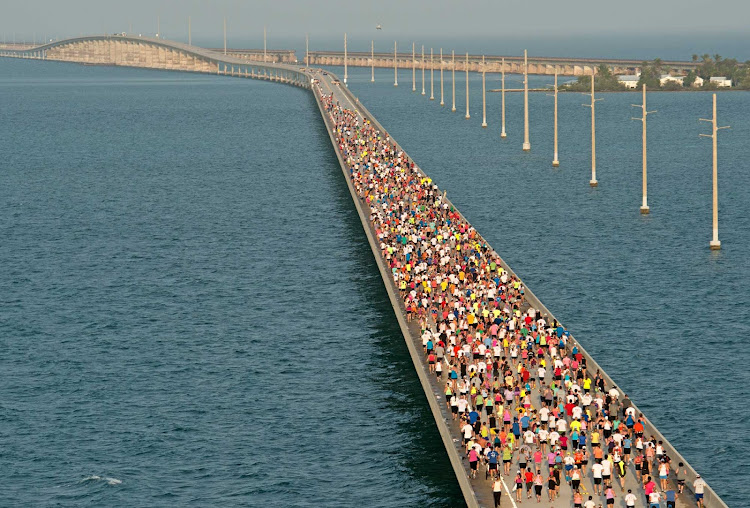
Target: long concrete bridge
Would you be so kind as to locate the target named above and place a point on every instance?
(493, 63)
(151, 53)
(167, 55)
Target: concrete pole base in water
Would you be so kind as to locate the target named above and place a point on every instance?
(715, 244)
(467, 116)
(593, 183)
(526, 147)
(645, 210)
(484, 125)
(453, 109)
(555, 163)
(503, 135)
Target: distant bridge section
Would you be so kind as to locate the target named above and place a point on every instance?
(151, 53)
(258, 55)
(493, 63)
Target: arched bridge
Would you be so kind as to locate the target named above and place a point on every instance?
(150, 53)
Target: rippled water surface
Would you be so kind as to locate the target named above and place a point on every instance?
(667, 318)
(189, 310)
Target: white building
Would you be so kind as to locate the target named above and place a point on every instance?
(721, 81)
(628, 80)
(668, 78)
(698, 82)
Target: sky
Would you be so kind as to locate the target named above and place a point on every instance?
(556, 28)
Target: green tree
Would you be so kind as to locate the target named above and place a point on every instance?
(690, 78)
(650, 74)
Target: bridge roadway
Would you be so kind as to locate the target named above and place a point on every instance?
(476, 492)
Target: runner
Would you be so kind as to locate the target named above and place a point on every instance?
(698, 487)
(630, 499)
(516, 379)
(497, 491)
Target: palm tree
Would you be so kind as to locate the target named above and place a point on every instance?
(695, 57)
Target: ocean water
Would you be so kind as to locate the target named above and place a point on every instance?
(666, 317)
(190, 314)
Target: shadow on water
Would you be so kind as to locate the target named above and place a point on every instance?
(419, 452)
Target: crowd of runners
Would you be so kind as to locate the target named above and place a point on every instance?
(532, 416)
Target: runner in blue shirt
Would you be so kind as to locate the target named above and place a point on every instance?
(492, 458)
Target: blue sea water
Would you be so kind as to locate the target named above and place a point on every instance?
(190, 314)
(666, 317)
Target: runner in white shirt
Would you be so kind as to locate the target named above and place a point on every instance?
(528, 437)
(596, 471)
(630, 499)
(699, 487)
(543, 435)
(468, 430)
(553, 437)
(606, 471)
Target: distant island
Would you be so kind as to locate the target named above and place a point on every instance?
(711, 73)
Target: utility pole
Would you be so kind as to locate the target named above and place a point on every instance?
(715, 244)
(644, 204)
(395, 63)
(225, 38)
(502, 94)
(307, 50)
(484, 97)
(453, 81)
(372, 61)
(413, 69)
(555, 160)
(441, 77)
(158, 26)
(467, 86)
(432, 76)
(190, 32)
(264, 43)
(526, 143)
(423, 69)
(593, 181)
(346, 75)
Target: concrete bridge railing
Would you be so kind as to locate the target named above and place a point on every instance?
(150, 53)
